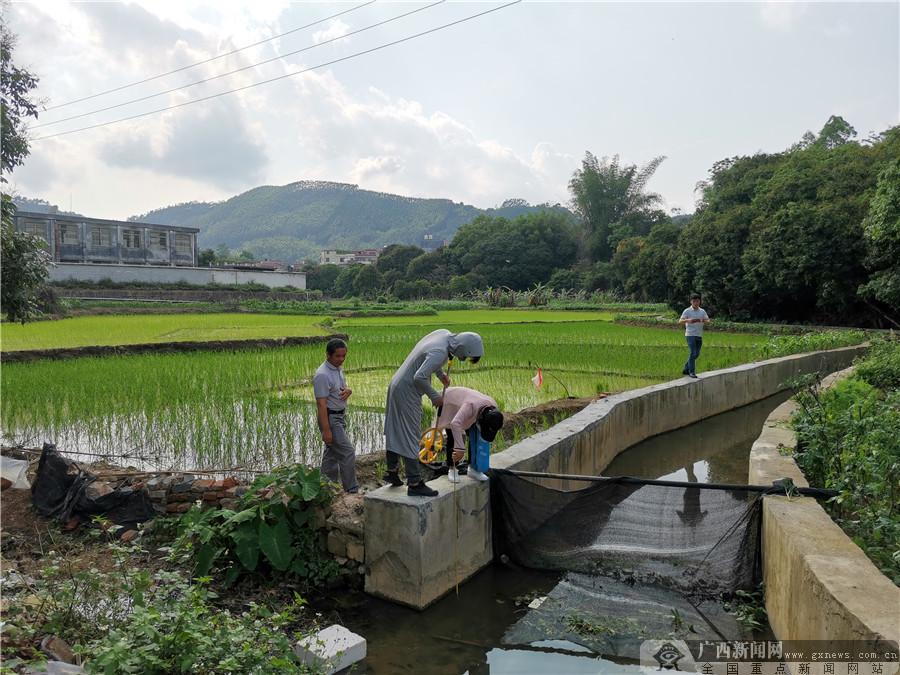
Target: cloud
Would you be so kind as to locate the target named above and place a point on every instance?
(371, 167)
(396, 145)
(38, 172)
(305, 127)
(780, 15)
(126, 28)
(336, 29)
(211, 145)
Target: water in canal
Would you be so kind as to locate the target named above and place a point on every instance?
(577, 624)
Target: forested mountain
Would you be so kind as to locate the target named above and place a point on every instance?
(295, 221)
(40, 206)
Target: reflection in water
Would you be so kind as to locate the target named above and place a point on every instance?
(691, 513)
(716, 450)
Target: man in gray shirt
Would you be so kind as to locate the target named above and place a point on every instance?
(693, 318)
(331, 392)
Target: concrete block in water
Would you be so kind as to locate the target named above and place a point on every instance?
(334, 647)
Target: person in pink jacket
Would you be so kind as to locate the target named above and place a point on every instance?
(462, 409)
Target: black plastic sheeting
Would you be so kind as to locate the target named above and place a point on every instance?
(696, 541)
(61, 490)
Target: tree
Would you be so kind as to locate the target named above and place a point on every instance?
(804, 256)
(435, 267)
(206, 258)
(16, 105)
(393, 262)
(566, 279)
(881, 231)
(396, 258)
(605, 194)
(836, 131)
(24, 256)
(365, 283)
(648, 279)
(517, 253)
(626, 252)
(343, 284)
(322, 277)
(24, 262)
(784, 236)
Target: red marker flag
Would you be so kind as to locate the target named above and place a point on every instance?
(538, 379)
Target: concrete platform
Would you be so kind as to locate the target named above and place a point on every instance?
(417, 549)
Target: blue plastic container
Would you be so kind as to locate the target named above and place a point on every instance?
(479, 450)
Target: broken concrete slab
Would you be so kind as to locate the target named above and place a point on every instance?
(333, 649)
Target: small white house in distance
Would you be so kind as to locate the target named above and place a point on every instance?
(93, 249)
(367, 256)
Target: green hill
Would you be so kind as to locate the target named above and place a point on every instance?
(295, 221)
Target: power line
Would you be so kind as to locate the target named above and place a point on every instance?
(213, 58)
(238, 70)
(282, 77)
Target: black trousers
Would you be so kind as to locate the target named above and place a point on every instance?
(448, 446)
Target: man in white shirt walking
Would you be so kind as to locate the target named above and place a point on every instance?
(693, 318)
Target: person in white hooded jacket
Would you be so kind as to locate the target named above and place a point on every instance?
(403, 412)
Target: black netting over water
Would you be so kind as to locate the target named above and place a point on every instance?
(612, 617)
(696, 540)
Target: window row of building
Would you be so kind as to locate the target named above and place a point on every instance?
(80, 239)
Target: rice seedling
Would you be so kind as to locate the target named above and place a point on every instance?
(120, 330)
(256, 409)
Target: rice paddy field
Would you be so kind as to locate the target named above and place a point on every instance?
(255, 409)
(139, 329)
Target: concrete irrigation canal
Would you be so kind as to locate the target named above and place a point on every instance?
(476, 605)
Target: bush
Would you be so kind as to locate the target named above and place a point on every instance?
(272, 530)
(881, 366)
(129, 621)
(847, 441)
(176, 630)
(566, 279)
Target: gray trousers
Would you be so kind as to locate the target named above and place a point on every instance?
(413, 472)
(339, 458)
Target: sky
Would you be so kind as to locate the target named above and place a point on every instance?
(501, 106)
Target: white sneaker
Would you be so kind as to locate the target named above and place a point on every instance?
(477, 475)
(453, 475)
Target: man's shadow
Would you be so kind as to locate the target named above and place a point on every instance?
(691, 515)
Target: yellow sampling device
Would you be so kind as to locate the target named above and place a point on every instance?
(432, 440)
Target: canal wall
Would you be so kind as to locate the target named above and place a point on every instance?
(418, 549)
(819, 584)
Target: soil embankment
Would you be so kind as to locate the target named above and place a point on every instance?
(165, 348)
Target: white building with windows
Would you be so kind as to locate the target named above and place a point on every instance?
(92, 249)
(77, 239)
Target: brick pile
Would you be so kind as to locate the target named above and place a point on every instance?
(176, 493)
